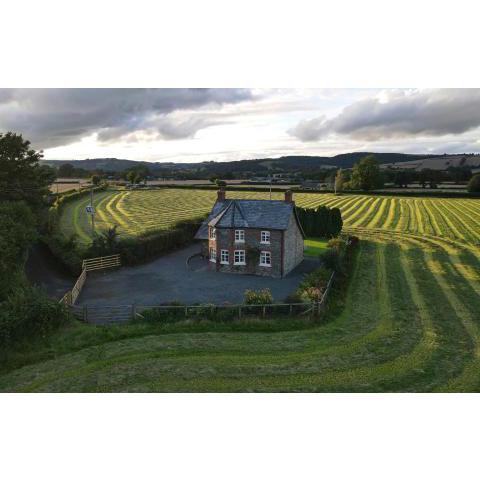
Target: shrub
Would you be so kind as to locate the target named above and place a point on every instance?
(337, 243)
(312, 287)
(28, 313)
(331, 259)
(67, 250)
(353, 241)
(318, 279)
(311, 294)
(17, 233)
(258, 297)
(294, 297)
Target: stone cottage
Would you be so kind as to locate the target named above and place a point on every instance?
(260, 237)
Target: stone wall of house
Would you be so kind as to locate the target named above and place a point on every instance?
(293, 246)
(226, 241)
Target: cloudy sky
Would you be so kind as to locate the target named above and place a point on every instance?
(189, 125)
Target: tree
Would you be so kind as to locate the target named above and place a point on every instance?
(96, 179)
(430, 176)
(18, 232)
(132, 176)
(320, 222)
(340, 179)
(402, 178)
(474, 184)
(66, 170)
(21, 175)
(366, 174)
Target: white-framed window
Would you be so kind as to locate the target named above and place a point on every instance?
(213, 233)
(265, 236)
(239, 236)
(239, 257)
(213, 255)
(265, 259)
(224, 257)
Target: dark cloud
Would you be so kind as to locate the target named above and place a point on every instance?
(54, 117)
(400, 114)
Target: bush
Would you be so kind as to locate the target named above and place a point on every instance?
(17, 233)
(311, 294)
(338, 243)
(312, 287)
(318, 279)
(67, 250)
(258, 297)
(294, 297)
(331, 259)
(28, 313)
(353, 241)
(474, 184)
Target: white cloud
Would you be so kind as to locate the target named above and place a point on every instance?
(398, 114)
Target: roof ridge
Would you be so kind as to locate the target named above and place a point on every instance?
(216, 219)
(242, 214)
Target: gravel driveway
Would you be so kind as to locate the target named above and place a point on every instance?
(169, 278)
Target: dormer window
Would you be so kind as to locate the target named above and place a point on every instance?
(213, 233)
(265, 237)
(239, 236)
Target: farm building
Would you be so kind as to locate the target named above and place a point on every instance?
(260, 237)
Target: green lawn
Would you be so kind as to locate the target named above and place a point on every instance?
(315, 246)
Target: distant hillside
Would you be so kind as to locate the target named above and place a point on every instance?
(106, 164)
(288, 163)
(437, 163)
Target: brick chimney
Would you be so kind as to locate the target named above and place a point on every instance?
(289, 196)
(221, 195)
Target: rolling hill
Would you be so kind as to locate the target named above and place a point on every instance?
(288, 163)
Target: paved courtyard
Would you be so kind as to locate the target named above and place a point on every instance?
(169, 278)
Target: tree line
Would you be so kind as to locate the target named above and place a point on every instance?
(25, 311)
(366, 175)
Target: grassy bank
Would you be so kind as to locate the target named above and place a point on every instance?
(408, 323)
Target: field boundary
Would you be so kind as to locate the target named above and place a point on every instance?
(421, 193)
(99, 263)
(112, 314)
(88, 264)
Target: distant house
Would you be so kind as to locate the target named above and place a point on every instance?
(260, 237)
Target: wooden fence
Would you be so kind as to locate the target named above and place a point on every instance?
(88, 264)
(111, 314)
(101, 262)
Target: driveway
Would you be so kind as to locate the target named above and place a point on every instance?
(169, 278)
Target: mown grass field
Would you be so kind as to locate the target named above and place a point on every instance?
(135, 212)
(410, 320)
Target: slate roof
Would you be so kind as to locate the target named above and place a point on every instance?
(268, 214)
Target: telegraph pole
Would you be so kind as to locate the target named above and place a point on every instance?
(93, 211)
